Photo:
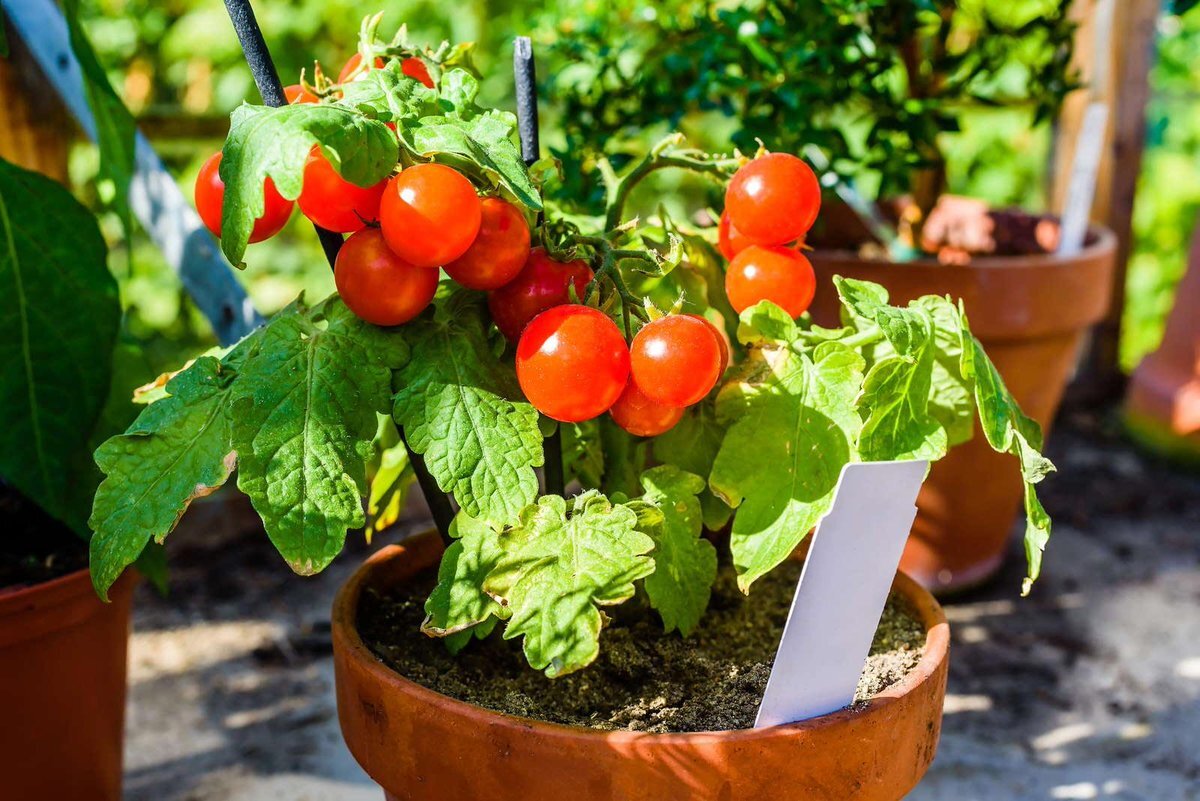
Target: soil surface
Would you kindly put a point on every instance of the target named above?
(644, 679)
(34, 547)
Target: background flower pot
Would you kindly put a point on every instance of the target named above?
(62, 689)
(1032, 314)
(423, 746)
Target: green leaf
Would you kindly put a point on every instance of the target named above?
(458, 601)
(304, 418)
(685, 564)
(556, 572)
(178, 449)
(58, 329)
(692, 446)
(116, 130)
(1009, 430)
(391, 95)
(486, 142)
(583, 456)
(458, 406)
(950, 401)
(624, 458)
(791, 430)
(275, 142)
(391, 478)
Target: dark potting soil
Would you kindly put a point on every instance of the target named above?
(643, 680)
(34, 547)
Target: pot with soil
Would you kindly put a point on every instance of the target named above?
(1032, 310)
(656, 718)
(62, 664)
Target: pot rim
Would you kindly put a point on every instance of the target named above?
(63, 586)
(346, 639)
(1105, 244)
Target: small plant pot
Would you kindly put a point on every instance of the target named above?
(1032, 314)
(62, 689)
(420, 745)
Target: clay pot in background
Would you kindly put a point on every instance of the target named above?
(62, 689)
(423, 746)
(1163, 405)
(1032, 313)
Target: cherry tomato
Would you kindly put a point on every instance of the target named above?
(721, 340)
(498, 252)
(542, 284)
(351, 67)
(378, 285)
(210, 194)
(773, 199)
(296, 93)
(675, 360)
(572, 363)
(778, 274)
(641, 416)
(430, 215)
(332, 202)
(415, 68)
(731, 241)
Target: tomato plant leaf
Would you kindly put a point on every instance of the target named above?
(178, 449)
(792, 427)
(304, 419)
(685, 564)
(458, 601)
(275, 142)
(950, 401)
(56, 365)
(484, 141)
(692, 446)
(459, 406)
(556, 571)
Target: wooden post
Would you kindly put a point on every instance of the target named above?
(1123, 66)
(35, 129)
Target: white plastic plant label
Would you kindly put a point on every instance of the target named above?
(842, 591)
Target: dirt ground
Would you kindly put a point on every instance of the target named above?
(1089, 689)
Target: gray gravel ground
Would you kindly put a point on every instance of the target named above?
(1090, 689)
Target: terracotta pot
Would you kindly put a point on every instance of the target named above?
(1032, 314)
(1163, 405)
(62, 689)
(423, 746)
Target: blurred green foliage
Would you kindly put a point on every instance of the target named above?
(178, 65)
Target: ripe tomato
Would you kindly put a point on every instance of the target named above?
(415, 68)
(778, 274)
(296, 93)
(731, 241)
(498, 252)
(542, 284)
(721, 340)
(378, 285)
(351, 67)
(332, 202)
(210, 194)
(675, 360)
(572, 363)
(773, 199)
(641, 416)
(430, 215)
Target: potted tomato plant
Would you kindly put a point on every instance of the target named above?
(481, 334)
(807, 79)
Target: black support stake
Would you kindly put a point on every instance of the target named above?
(525, 78)
(266, 78)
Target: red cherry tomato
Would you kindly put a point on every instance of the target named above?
(415, 68)
(498, 252)
(378, 285)
(210, 194)
(572, 363)
(351, 67)
(731, 241)
(334, 203)
(778, 274)
(675, 360)
(430, 215)
(296, 93)
(773, 199)
(542, 284)
(721, 340)
(641, 416)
